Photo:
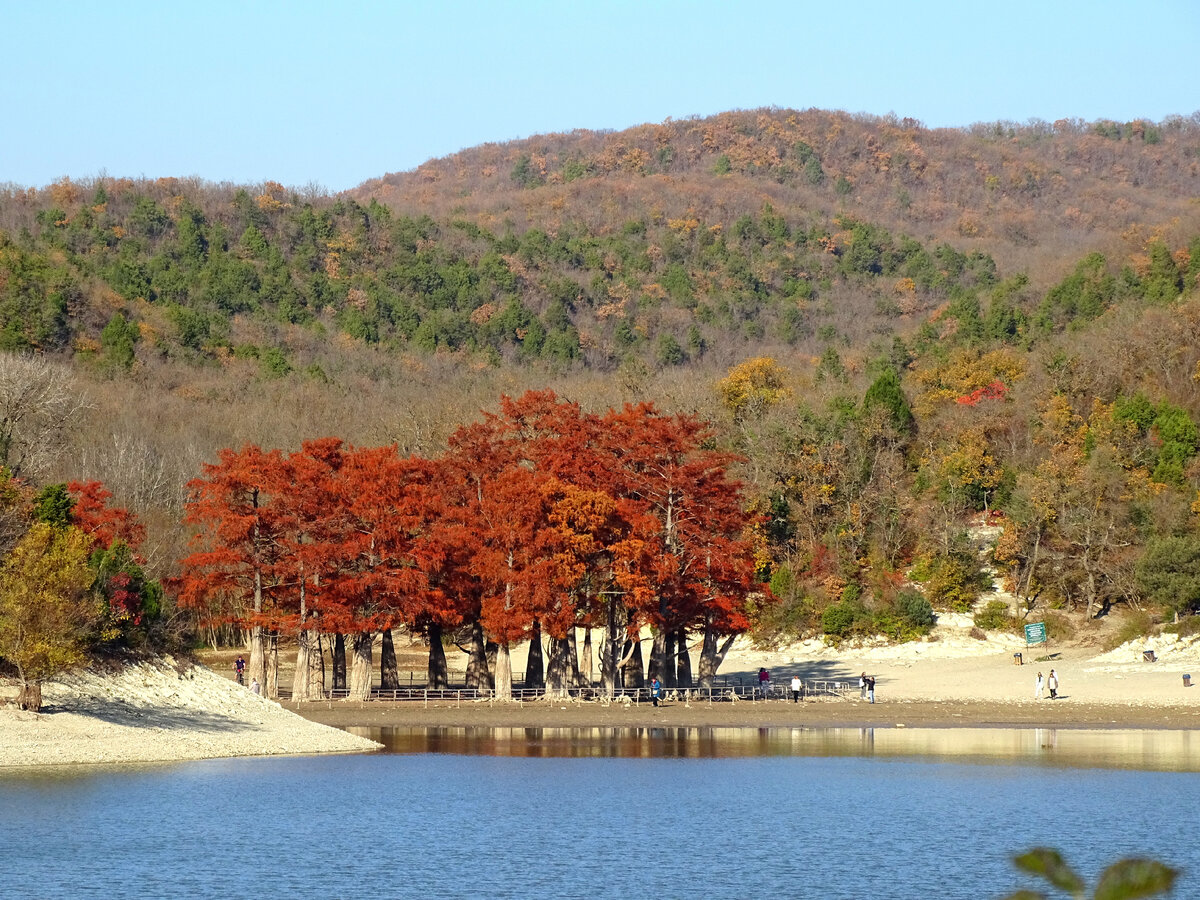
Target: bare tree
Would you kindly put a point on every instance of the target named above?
(38, 400)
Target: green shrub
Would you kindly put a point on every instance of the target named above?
(952, 580)
(995, 617)
(838, 620)
(915, 609)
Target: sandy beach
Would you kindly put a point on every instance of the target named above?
(155, 712)
(162, 712)
(950, 679)
(956, 681)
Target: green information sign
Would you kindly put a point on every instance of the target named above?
(1035, 634)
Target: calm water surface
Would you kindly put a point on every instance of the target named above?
(777, 813)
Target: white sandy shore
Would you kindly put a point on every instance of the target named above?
(160, 712)
(952, 665)
(156, 712)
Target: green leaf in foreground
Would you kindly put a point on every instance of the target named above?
(1049, 864)
(1133, 878)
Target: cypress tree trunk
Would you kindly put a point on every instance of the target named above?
(576, 676)
(683, 661)
(271, 684)
(438, 675)
(491, 649)
(635, 669)
(503, 673)
(478, 673)
(658, 655)
(535, 665)
(389, 678)
(316, 665)
(300, 680)
(360, 666)
(669, 678)
(308, 654)
(585, 664)
(309, 681)
(558, 674)
(339, 662)
(256, 667)
(711, 656)
(611, 650)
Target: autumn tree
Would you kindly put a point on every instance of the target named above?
(697, 549)
(47, 612)
(236, 524)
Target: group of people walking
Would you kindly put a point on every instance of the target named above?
(1051, 683)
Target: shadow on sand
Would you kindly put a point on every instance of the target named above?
(135, 715)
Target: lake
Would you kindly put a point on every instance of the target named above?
(835, 813)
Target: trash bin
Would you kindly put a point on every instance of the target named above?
(1187, 680)
(1017, 659)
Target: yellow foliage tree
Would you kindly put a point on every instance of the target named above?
(964, 372)
(47, 612)
(753, 387)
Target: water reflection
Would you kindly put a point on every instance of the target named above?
(1167, 751)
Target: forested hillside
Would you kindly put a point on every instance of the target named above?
(894, 328)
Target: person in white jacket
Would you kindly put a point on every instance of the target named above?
(1037, 691)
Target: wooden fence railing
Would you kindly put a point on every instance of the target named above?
(723, 690)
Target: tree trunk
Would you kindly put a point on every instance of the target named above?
(491, 649)
(389, 677)
(316, 665)
(585, 664)
(339, 662)
(503, 672)
(669, 677)
(683, 661)
(478, 673)
(658, 656)
(610, 650)
(300, 682)
(438, 675)
(635, 668)
(535, 665)
(256, 669)
(29, 697)
(271, 684)
(309, 681)
(576, 676)
(711, 656)
(308, 653)
(558, 674)
(360, 666)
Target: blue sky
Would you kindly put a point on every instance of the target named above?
(332, 94)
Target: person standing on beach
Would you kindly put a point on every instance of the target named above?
(862, 686)
(764, 682)
(655, 690)
(796, 685)
(239, 668)
(1052, 683)
(1037, 690)
(870, 688)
